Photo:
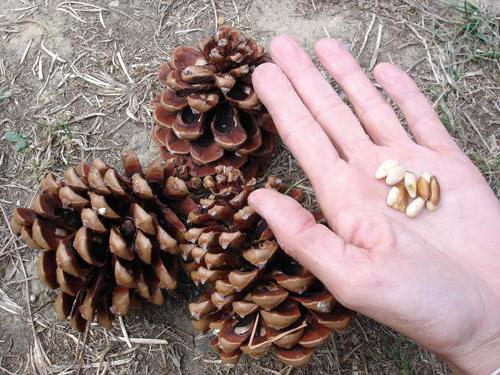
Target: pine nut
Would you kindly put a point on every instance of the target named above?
(423, 187)
(435, 195)
(415, 207)
(384, 168)
(410, 181)
(398, 198)
(395, 175)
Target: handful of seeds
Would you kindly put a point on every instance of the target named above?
(408, 193)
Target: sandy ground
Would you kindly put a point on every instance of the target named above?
(76, 81)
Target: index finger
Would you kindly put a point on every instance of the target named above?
(299, 131)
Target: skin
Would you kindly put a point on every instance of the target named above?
(435, 278)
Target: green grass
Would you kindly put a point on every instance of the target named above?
(400, 353)
(18, 140)
(477, 24)
(482, 30)
(64, 126)
(5, 94)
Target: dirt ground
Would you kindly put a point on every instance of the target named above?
(76, 82)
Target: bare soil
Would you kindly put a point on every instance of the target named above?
(76, 82)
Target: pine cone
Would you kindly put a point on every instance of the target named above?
(209, 111)
(107, 238)
(257, 297)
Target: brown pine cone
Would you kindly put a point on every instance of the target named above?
(209, 111)
(107, 238)
(257, 297)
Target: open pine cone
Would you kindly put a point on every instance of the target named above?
(257, 297)
(209, 111)
(111, 239)
(107, 238)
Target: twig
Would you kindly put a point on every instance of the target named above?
(26, 52)
(118, 127)
(124, 331)
(477, 131)
(53, 55)
(20, 281)
(427, 50)
(79, 357)
(277, 337)
(139, 340)
(118, 362)
(250, 342)
(124, 68)
(216, 17)
(85, 117)
(326, 31)
(367, 34)
(377, 47)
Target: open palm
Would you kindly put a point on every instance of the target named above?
(435, 278)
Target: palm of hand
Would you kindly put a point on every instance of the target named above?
(434, 278)
(433, 256)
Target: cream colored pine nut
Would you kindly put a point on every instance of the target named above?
(384, 168)
(415, 207)
(395, 175)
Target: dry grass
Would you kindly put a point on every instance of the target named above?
(76, 80)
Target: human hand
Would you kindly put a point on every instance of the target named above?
(435, 278)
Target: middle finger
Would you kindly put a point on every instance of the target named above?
(377, 117)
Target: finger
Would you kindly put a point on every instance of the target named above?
(318, 95)
(423, 121)
(377, 117)
(299, 131)
(313, 245)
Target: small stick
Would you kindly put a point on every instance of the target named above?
(124, 331)
(124, 68)
(20, 281)
(253, 331)
(118, 127)
(144, 341)
(236, 10)
(377, 47)
(326, 32)
(26, 52)
(277, 337)
(101, 18)
(367, 34)
(52, 54)
(40, 68)
(215, 15)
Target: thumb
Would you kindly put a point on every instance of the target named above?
(313, 245)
